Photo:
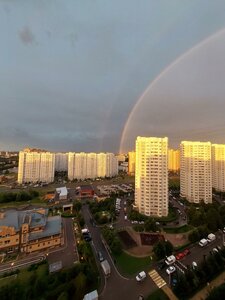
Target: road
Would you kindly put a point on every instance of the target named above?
(68, 253)
(22, 263)
(116, 286)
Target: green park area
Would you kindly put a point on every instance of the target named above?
(130, 265)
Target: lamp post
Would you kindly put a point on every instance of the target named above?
(12, 264)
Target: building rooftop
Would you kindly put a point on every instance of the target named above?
(62, 191)
(53, 226)
(10, 219)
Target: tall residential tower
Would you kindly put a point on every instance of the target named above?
(151, 176)
(36, 165)
(196, 171)
(218, 167)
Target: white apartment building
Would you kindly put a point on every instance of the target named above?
(196, 171)
(61, 162)
(35, 165)
(218, 167)
(151, 176)
(91, 165)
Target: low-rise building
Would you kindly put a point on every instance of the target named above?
(29, 231)
(62, 193)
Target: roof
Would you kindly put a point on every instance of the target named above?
(62, 191)
(53, 226)
(86, 187)
(91, 296)
(10, 219)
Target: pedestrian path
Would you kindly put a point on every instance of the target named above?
(158, 280)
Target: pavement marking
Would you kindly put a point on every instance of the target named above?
(158, 280)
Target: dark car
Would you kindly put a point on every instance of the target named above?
(87, 238)
(100, 256)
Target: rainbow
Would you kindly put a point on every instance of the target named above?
(156, 79)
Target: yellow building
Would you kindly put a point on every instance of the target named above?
(218, 167)
(151, 176)
(131, 162)
(196, 171)
(29, 231)
(174, 160)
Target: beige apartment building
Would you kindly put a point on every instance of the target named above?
(61, 162)
(174, 160)
(131, 162)
(91, 165)
(218, 167)
(151, 176)
(29, 231)
(196, 171)
(36, 165)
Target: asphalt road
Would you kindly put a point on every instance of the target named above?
(68, 253)
(115, 286)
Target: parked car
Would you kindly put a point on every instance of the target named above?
(186, 252)
(194, 265)
(141, 276)
(180, 256)
(170, 270)
(100, 256)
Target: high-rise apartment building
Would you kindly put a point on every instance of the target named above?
(196, 171)
(91, 165)
(61, 162)
(174, 160)
(131, 162)
(218, 167)
(36, 165)
(151, 176)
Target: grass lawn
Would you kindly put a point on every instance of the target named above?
(181, 229)
(158, 295)
(130, 265)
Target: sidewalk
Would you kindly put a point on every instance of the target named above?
(169, 293)
(201, 295)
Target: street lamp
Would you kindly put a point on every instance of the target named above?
(12, 264)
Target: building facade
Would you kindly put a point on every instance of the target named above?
(218, 167)
(61, 162)
(151, 176)
(29, 231)
(91, 165)
(131, 163)
(174, 160)
(196, 171)
(36, 166)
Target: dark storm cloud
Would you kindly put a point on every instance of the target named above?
(93, 60)
(26, 36)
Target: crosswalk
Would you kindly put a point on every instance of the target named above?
(158, 280)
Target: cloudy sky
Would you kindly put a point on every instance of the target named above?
(91, 75)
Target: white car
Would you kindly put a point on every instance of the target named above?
(141, 276)
(170, 270)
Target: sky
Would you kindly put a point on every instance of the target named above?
(91, 75)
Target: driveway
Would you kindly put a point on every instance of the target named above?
(116, 286)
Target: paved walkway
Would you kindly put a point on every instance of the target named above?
(169, 293)
(159, 281)
(201, 295)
